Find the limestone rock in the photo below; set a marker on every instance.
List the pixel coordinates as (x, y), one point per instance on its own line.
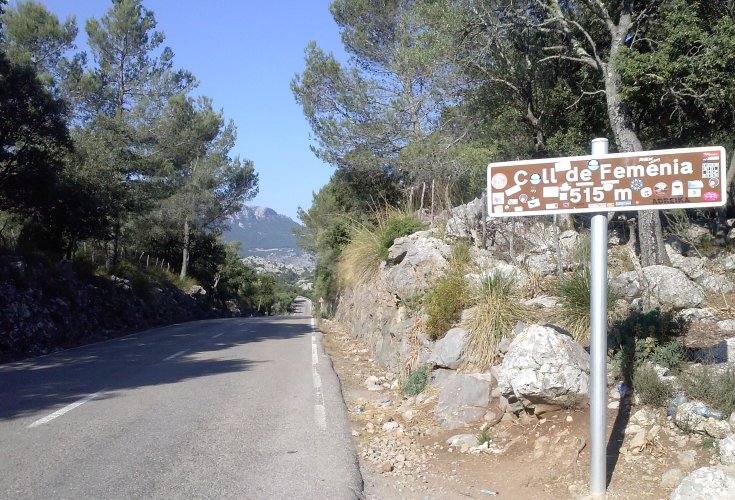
(727, 450)
(666, 286)
(545, 365)
(707, 483)
(463, 398)
(462, 439)
(412, 261)
(448, 351)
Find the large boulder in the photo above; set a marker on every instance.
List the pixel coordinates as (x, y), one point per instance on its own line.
(707, 483)
(412, 263)
(448, 350)
(463, 398)
(663, 285)
(544, 365)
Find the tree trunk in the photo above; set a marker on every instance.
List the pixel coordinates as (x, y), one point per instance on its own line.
(650, 232)
(113, 247)
(721, 229)
(185, 250)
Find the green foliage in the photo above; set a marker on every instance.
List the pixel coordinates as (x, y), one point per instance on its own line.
(461, 257)
(396, 225)
(650, 388)
(497, 308)
(712, 386)
(484, 436)
(646, 337)
(369, 244)
(415, 383)
(34, 139)
(444, 302)
(678, 75)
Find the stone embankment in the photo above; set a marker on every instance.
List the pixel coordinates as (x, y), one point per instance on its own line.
(43, 310)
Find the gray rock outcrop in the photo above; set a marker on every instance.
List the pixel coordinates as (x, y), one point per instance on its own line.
(664, 285)
(413, 263)
(727, 450)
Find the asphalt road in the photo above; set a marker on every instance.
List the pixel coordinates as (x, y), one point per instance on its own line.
(230, 408)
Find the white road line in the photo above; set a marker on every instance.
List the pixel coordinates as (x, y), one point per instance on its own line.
(175, 355)
(320, 413)
(218, 335)
(65, 409)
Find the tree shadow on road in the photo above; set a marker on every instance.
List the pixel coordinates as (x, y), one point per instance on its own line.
(49, 382)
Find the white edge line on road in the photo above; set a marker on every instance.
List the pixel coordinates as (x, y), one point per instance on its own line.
(218, 335)
(320, 413)
(175, 355)
(65, 409)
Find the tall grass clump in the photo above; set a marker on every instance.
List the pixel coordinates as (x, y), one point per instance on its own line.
(360, 259)
(497, 308)
(461, 257)
(368, 247)
(444, 302)
(574, 291)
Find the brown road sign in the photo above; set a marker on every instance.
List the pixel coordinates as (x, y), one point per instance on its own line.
(644, 180)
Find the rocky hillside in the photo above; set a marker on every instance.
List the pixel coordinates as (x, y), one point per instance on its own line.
(677, 319)
(268, 238)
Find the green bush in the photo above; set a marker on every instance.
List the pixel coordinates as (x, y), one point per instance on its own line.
(396, 225)
(714, 387)
(415, 383)
(650, 388)
(647, 336)
(443, 304)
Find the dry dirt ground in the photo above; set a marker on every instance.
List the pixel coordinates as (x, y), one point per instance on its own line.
(403, 452)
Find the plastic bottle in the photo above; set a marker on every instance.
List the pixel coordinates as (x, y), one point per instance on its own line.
(675, 403)
(708, 412)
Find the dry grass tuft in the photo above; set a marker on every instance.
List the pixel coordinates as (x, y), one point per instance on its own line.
(498, 308)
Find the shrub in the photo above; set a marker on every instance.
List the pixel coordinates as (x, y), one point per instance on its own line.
(714, 387)
(443, 304)
(415, 383)
(647, 336)
(650, 388)
(396, 225)
(484, 436)
(497, 309)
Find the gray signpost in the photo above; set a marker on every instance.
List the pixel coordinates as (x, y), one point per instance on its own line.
(600, 183)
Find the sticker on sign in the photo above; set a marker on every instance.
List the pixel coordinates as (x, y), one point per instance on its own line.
(644, 180)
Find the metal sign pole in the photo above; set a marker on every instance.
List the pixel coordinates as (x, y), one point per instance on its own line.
(598, 346)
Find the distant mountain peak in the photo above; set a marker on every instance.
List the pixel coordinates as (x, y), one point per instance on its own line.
(261, 227)
(258, 213)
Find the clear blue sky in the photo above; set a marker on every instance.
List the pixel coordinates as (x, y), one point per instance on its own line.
(244, 54)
